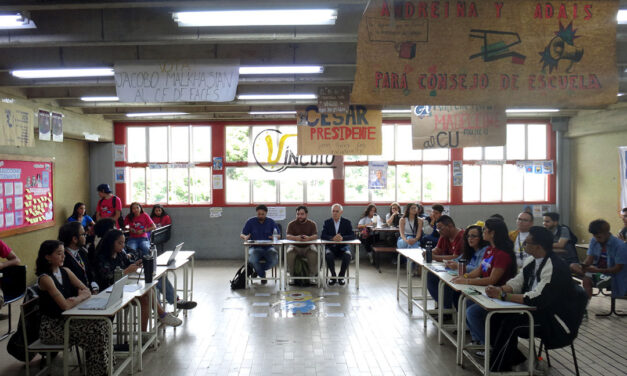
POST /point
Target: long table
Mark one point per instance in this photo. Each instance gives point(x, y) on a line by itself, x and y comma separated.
point(184, 260)
point(285, 244)
point(354, 242)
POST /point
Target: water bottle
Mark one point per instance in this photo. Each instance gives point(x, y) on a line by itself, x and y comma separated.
point(429, 252)
point(153, 253)
point(118, 273)
point(461, 267)
point(275, 235)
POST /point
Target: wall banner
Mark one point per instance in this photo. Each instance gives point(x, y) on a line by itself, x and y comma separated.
point(457, 126)
point(17, 125)
point(176, 81)
point(622, 155)
point(356, 132)
point(511, 52)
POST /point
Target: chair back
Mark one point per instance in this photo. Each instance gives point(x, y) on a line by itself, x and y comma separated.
point(30, 319)
point(280, 227)
point(160, 235)
point(581, 302)
point(13, 282)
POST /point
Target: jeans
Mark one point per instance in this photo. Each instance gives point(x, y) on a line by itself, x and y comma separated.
point(269, 254)
point(400, 243)
point(142, 245)
point(169, 290)
point(341, 251)
point(432, 286)
point(475, 318)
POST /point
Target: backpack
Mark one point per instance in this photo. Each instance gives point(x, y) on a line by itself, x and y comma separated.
point(301, 269)
point(239, 281)
point(120, 219)
point(15, 346)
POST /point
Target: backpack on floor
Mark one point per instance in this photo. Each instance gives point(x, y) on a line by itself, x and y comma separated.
point(239, 281)
point(301, 269)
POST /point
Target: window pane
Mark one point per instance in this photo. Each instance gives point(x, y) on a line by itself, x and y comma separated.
point(535, 187)
point(473, 154)
point(179, 144)
point(157, 179)
point(388, 194)
point(318, 182)
point(158, 146)
point(319, 190)
point(435, 180)
point(515, 141)
point(200, 185)
point(261, 151)
point(237, 186)
point(536, 141)
point(138, 184)
point(136, 144)
point(292, 191)
point(493, 153)
point(435, 155)
point(178, 190)
point(237, 143)
point(408, 183)
point(201, 144)
point(387, 140)
point(491, 183)
point(471, 190)
point(355, 158)
point(404, 151)
point(264, 191)
point(513, 182)
point(356, 183)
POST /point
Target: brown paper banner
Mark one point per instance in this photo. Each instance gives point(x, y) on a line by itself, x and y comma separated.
point(513, 52)
point(17, 125)
point(356, 132)
point(457, 126)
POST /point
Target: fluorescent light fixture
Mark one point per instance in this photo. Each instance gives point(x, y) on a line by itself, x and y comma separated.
point(245, 97)
point(620, 94)
point(293, 69)
point(62, 72)
point(528, 110)
point(272, 113)
point(396, 111)
point(154, 114)
point(15, 21)
point(100, 99)
point(621, 17)
point(256, 17)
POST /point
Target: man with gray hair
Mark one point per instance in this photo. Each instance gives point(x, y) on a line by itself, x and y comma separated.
point(338, 229)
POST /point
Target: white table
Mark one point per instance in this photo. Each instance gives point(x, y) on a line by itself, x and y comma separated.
point(184, 260)
point(266, 243)
point(297, 243)
point(354, 242)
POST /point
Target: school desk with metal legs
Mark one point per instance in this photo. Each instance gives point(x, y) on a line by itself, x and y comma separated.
point(265, 243)
point(317, 245)
point(354, 242)
point(185, 261)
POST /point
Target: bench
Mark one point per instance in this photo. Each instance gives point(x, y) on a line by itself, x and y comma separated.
point(378, 249)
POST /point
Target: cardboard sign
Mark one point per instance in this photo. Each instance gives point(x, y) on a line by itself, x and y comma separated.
point(17, 125)
point(184, 81)
point(356, 132)
point(457, 126)
point(512, 52)
point(333, 99)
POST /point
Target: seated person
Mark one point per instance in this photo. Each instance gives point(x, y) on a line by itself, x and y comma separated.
point(563, 244)
point(543, 282)
point(497, 267)
point(302, 229)
point(367, 222)
point(337, 229)
point(393, 218)
point(604, 265)
point(450, 245)
point(410, 228)
point(12, 259)
point(261, 228)
point(524, 221)
point(622, 235)
point(111, 255)
point(430, 233)
point(140, 225)
point(159, 216)
point(60, 291)
point(73, 236)
point(79, 215)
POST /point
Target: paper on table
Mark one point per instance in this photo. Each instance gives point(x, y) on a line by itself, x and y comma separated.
point(501, 302)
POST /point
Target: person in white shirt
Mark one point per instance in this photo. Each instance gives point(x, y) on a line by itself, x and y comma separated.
point(524, 221)
point(368, 221)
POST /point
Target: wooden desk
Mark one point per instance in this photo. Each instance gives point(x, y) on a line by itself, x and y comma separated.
point(277, 245)
point(354, 242)
point(297, 243)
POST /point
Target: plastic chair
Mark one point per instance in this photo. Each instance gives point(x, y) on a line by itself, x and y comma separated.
point(13, 288)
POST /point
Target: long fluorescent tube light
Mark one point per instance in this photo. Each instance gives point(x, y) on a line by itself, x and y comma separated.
point(256, 17)
point(621, 17)
point(100, 99)
point(526, 110)
point(15, 21)
point(63, 72)
point(620, 94)
point(272, 113)
point(396, 111)
point(245, 97)
point(295, 69)
point(153, 114)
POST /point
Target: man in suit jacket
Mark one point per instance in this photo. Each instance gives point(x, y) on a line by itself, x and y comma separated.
point(73, 236)
point(337, 228)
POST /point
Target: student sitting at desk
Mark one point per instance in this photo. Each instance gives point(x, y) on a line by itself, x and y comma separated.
point(544, 282)
point(367, 222)
point(79, 215)
point(337, 229)
point(410, 228)
point(430, 232)
point(111, 255)
point(159, 216)
point(302, 229)
point(261, 228)
point(140, 225)
point(60, 291)
point(73, 236)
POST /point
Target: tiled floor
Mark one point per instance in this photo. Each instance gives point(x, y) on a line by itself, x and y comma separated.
point(348, 332)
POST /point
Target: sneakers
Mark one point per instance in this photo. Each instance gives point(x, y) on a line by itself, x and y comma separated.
point(371, 258)
point(170, 320)
point(264, 281)
point(332, 282)
point(341, 282)
point(480, 354)
point(186, 304)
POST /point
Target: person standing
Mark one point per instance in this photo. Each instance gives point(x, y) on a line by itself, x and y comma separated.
point(261, 228)
point(337, 228)
point(302, 229)
point(109, 205)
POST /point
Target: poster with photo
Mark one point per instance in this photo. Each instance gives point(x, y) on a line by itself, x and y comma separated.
point(377, 175)
point(57, 127)
point(43, 123)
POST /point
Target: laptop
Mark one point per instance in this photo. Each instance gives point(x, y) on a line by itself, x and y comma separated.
point(172, 258)
point(102, 303)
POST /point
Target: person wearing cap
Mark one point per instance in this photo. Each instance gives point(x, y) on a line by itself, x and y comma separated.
point(109, 205)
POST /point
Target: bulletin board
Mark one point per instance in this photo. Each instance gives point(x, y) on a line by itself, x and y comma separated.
point(26, 194)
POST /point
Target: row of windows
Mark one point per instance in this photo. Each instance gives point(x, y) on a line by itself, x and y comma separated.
point(172, 165)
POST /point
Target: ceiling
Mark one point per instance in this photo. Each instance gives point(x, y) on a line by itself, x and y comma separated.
point(93, 33)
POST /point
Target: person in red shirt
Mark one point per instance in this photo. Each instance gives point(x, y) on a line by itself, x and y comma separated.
point(450, 245)
point(12, 259)
point(140, 225)
point(159, 216)
point(109, 205)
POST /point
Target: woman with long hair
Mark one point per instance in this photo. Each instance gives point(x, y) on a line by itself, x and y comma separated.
point(368, 220)
point(393, 218)
point(79, 215)
point(60, 291)
point(140, 225)
point(410, 228)
point(159, 216)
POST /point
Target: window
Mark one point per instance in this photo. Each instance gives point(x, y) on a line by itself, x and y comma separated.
point(170, 165)
point(262, 169)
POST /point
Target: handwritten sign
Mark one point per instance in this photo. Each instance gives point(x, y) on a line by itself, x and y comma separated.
point(520, 52)
point(184, 81)
point(333, 99)
point(457, 126)
point(356, 132)
point(17, 125)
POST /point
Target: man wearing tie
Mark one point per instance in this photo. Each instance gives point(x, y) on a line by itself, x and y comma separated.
point(337, 229)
